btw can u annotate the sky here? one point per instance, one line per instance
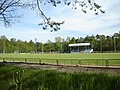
(77, 24)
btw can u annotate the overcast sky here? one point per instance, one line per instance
(77, 24)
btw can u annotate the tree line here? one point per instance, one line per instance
(99, 43)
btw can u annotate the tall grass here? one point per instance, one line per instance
(53, 80)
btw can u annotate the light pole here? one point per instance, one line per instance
(35, 45)
(100, 44)
(115, 43)
(42, 47)
(63, 45)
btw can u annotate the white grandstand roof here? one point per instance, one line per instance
(79, 44)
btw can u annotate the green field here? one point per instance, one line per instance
(78, 58)
(64, 56)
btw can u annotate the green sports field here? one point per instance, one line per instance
(70, 56)
(76, 58)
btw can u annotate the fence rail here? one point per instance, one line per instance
(78, 62)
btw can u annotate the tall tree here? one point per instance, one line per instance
(58, 41)
(72, 41)
(3, 43)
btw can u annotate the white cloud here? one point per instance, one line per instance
(90, 23)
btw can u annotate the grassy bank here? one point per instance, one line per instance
(15, 78)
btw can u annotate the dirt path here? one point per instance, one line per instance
(68, 69)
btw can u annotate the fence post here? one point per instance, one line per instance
(25, 60)
(71, 62)
(40, 61)
(79, 61)
(57, 62)
(3, 59)
(97, 62)
(64, 61)
(13, 59)
(106, 62)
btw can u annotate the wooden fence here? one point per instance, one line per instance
(71, 62)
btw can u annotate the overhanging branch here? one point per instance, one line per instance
(47, 22)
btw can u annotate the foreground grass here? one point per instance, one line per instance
(15, 78)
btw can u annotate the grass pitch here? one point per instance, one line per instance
(65, 56)
(76, 58)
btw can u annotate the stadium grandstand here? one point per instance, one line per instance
(80, 47)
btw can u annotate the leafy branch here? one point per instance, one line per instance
(84, 4)
(8, 10)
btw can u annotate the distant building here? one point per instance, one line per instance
(80, 47)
